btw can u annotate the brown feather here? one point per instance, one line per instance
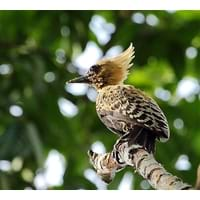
(125, 109)
(117, 68)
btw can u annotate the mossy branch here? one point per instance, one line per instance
(142, 162)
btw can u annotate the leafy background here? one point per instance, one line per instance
(47, 127)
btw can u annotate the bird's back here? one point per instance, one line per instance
(123, 109)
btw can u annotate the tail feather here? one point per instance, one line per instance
(144, 138)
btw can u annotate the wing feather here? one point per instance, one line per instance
(127, 107)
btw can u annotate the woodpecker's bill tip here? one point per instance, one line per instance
(81, 79)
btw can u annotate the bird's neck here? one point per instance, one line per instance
(99, 90)
(109, 87)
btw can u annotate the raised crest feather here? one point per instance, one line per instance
(120, 63)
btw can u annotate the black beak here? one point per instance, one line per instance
(81, 79)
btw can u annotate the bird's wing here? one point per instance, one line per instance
(127, 107)
(145, 112)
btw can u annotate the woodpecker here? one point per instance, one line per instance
(124, 109)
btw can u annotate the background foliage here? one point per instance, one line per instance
(38, 51)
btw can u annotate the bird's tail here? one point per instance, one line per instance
(142, 137)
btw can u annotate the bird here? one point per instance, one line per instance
(124, 109)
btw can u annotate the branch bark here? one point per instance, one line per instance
(143, 162)
(198, 179)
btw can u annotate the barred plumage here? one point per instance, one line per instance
(125, 110)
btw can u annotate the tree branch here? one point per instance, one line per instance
(198, 179)
(143, 162)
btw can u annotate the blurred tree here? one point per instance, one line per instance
(40, 117)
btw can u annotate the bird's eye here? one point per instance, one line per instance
(95, 68)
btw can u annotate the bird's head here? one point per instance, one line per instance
(109, 71)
